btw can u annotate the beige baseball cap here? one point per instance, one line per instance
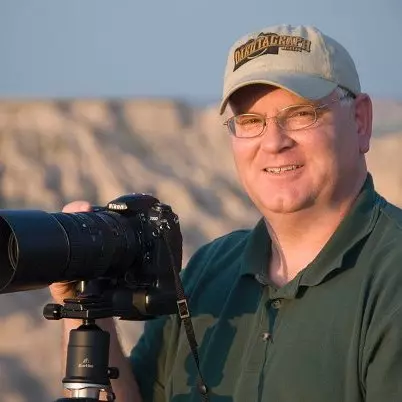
(300, 59)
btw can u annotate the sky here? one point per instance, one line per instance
(176, 48)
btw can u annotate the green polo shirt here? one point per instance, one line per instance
(332, 334)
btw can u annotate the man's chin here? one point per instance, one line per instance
(286, 206)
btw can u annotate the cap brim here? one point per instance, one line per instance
(306, 86)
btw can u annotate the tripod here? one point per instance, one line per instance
(87, 366)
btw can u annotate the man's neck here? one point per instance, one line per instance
(298, 238)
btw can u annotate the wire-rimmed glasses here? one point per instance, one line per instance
(290, 118)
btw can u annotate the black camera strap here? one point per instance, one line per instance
(185, 317)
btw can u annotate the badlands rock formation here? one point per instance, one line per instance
(52, 152)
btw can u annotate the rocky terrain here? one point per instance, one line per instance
(53, 152)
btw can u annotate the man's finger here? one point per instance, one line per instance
(77, 206)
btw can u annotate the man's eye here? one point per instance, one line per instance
(249, 121)
(301, 114)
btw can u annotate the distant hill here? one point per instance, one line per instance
(387, 117)
(52, 152)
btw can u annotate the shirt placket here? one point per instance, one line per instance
(248, 388)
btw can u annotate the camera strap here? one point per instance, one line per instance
(185, 317)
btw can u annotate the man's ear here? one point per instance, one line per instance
(364, 121)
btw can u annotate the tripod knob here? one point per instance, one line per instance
(52, 311)
(113, 373)
(77, 400)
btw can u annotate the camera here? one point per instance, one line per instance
(125, 259)
(128, 252)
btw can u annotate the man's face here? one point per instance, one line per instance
(288, 171)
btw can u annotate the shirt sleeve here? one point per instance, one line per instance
(383, 380)
(146, 357)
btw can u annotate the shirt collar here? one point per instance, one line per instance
(356, 225)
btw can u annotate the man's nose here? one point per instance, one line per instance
(275, 139)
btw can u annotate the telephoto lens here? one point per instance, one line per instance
(39, 248)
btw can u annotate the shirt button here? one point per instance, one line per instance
(276, 304)
(266, 336)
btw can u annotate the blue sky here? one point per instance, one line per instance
(177, 48)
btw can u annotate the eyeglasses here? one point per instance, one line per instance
(291, 118)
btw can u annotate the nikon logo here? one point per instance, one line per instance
(117, 207)
(86, 363)
(269, 43)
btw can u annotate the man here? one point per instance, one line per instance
(308, 305)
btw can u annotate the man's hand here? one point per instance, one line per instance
(64, 290)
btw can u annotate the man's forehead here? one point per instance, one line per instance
(246, 97)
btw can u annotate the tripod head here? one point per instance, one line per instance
(87, 367)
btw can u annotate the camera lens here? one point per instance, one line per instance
(13, 251)
(39, 248)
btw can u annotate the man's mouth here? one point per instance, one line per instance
(282, 169)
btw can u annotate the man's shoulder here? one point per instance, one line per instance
(232, 241)
(223, 248)
(218, 257)
(385, 241)
(381, 264)
(384, 247)
(390, 220)
(392, 214)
